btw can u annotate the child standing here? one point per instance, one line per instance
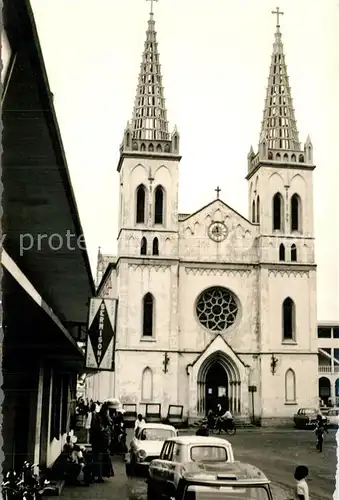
(300, 475)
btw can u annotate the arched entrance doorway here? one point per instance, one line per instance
(218, 380)
(216, 387)
(324, 389)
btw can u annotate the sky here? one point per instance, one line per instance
(215, 59)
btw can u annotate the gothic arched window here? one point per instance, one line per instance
(141, 204)
(148, 312)
(258, 209)
(253, 211)
(159, 205)
(293, 253)
(147, 385)
(282, 251)
(143, 246)
(155, 246)
(277, 211)
(295, 213)
(288, 319)
(290, 386)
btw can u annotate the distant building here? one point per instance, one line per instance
(328, 348)
(46, 282)
(213, 303)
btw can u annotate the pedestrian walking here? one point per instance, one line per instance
(300, 475)
(101, 436)
(88, 423)
(320, 429)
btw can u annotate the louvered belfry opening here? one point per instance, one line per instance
(279, 127)
(149, 120)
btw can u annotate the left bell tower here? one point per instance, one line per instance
(148, 165)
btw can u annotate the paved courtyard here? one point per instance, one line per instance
(276, 452)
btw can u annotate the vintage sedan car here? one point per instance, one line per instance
(179, 455)
(332, 416)
(146, 446)
(306, 418)
(228, 481)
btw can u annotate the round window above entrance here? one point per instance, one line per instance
(217, 309)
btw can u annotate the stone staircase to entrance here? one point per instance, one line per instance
(243, 423)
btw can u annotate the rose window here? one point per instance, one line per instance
(217, 309)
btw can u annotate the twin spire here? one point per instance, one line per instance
(279, 126)
(149, 120)
(279, 135)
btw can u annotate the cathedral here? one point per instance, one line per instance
(213, 306)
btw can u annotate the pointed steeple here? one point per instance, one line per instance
(149, 115)
(279, 137)
(148, 130)
(279, 126)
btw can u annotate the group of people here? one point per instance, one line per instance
(106, 435)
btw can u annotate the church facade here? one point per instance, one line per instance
(214, 306)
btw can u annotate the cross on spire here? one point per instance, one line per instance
(217, 191)
(278, 14)
(151, 5)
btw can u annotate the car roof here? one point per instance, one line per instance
(239, 472)
(156, 426)
(196, 440)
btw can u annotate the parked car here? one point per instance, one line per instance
(200, 481)
(180, 455)
(146, 446)
(333, 417)
(306, 418)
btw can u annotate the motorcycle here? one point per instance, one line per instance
(28, 485)
(216, 425)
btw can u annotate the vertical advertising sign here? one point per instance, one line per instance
(100, 347)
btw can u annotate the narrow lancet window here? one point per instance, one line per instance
(148, 303)
(159, 205)
(155, 246)
(277, 211)
(141, 204)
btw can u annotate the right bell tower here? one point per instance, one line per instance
(280, 175)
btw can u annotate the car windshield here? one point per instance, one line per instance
(310, 411)
(156, 434)
(225, 493)
(208, 454)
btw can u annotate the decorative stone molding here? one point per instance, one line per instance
(151, 266)
(284, 272)
(217, 272)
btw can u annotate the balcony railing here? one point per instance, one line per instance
(328, 369)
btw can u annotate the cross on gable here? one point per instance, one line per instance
(278, 14)
(217, 191)
(151, 4)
